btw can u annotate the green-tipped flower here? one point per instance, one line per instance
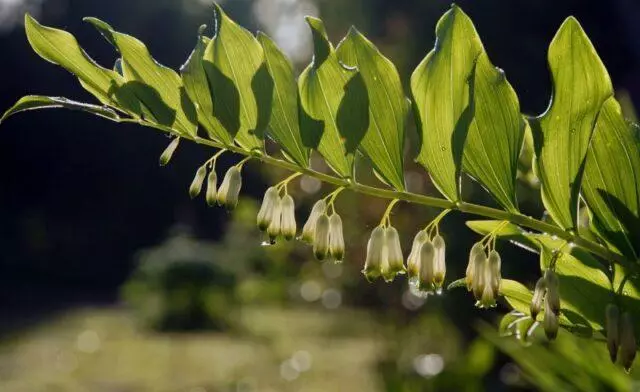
(476, 257)
(427, 263)
(376, 254)
(336, 238)
(552, 300)
(413, 261)
(269, 202)
(308, 230)
(275, 221)
(321, 237)
(196, 185)
(550, 323)
(230, 188)
(627, 341)
(538, 297)
(168, 152)
(479, 275)
(495, 266)
(212, 184)
(395, 259)
(439, 267)
(612, 324)
(288, 229)
(488, 287)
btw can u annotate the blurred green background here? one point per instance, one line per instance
(112, 279)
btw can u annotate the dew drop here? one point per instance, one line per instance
(267, 243)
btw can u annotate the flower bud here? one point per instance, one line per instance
(550, 323)
(612, 318)
(376, 254)
(168, 152)
(627, 341)
(308, 230)
(336, 238)
(275, 221)
(476, 256)
(288, 229)
(212, 183)
(269, 202)
(321, 237)
(198, 180)
(538, 297)
(552, 299)
(395, 258)
(439, 268)
(413, 261)
(426, 263)
(230, 188)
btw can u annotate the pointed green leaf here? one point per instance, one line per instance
(196, 85)
(611, 184)
(159, 89)
(495, 137)
(440, 89)
(284, 125)
(322, 87)
(516, 294)
(383, 139)
(33, 102)
(240, 83)
(61, 48)
(581, 84)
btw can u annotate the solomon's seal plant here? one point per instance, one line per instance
(236, 89)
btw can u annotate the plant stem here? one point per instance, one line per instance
(468, 208)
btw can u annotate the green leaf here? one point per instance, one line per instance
(322, 87)
(516, 294)
(239, 80)
(441, 94)
(196, 85)
(33, 102)
(284, 126)
(61, 48)
(611, 184)
(581, 84)
(380, 88)
(495, 137)
(159, 89)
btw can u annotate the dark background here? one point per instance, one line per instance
(79, 195)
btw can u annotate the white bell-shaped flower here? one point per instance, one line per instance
(550, 323)
(476, 256)
(308, 230)
(439, 267)
(395, 258)
(376, 254)
(321, 237)
(198, 180)
(413, 261)
(275, 222)
(427, 264)
(612, 324)
(336, 238)
(538, 297)
(265, 214)
(230, 188)
(288, 228)
(212, 192)
(627, 341)
(552, 299)
(168, 152)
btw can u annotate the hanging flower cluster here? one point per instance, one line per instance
(483, 276)
(620, 336)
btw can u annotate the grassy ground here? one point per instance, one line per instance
(101, 349)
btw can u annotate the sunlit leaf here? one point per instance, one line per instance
(581, 84)
(33, 102)
(441, 93)
(495, 137)
(381, 138)
(61, 48)
(196, 85)
(158, 88)
(284, 125)
(611, 184)
(240, 83)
